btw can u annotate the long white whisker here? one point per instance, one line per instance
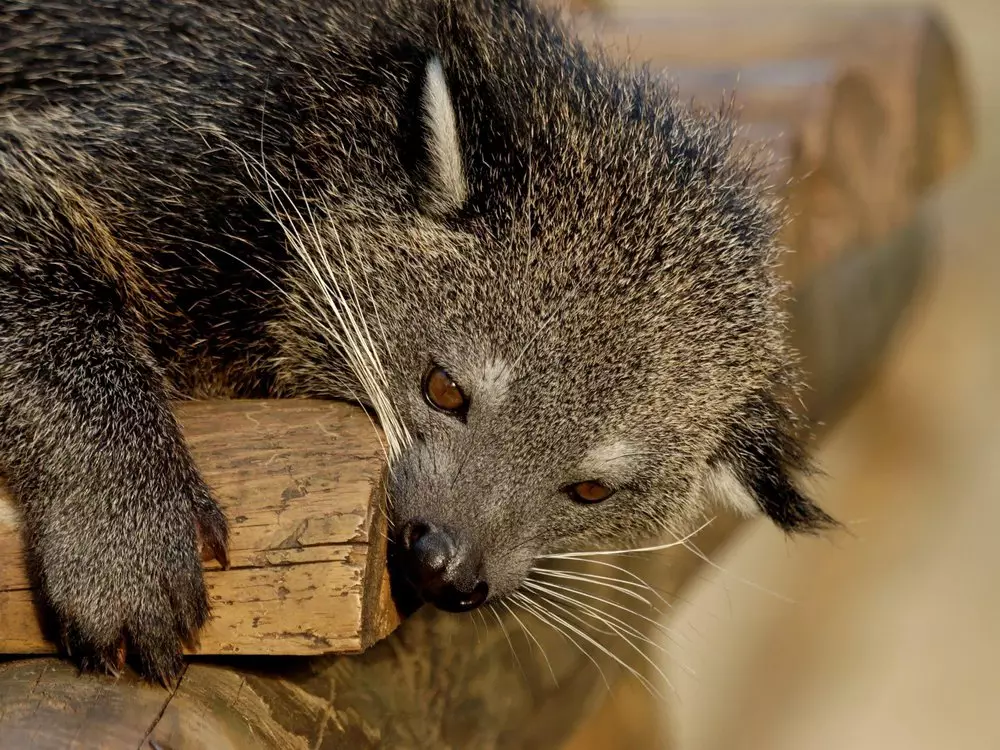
(506, 635)
(357, 345)
(607, 652)
(612, 620)
(547, 586)
(656, 548)
(596, 581)
(472, 616)
(364, 335)
(482, 619)
(624, 631)
(297, 243)
(342, 332)
(704, 558)
(639, 580)
(531, 635)
(545, 616)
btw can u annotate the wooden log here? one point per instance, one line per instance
(898, 119)
(905, 53)
(300, 482)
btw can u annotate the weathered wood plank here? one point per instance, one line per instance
(300, 483)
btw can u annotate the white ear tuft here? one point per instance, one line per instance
(446, 188)
(723, 487)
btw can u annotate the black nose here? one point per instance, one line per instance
(433, 567)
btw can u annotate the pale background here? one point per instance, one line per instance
(892, 638)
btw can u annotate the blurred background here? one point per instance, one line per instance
(886, 638)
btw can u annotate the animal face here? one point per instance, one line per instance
(576, 365)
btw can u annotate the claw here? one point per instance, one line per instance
(120, 653)
(168, 680)
(212, 544)
(212, 550)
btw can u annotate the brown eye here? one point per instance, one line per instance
(443, 393)
(590, 492)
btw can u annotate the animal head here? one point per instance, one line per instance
(574, 337)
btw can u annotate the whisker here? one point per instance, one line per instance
(506, 635)
(606, 651)
(472, 616)
(531, 635)
(364, 336)
(596, 581)
(604, 628)
(656, 548)
(639, 580)
(704, 558)
(617, 624)
(342, 334)
(684, 540)
(624, 633)
(544, 615)
(546, 586)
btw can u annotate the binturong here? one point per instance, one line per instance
(552, 284)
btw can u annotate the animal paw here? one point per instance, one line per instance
(132, 584)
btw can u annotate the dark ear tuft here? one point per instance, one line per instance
(762, 452)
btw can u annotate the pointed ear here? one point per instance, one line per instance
(754, 470)
(445, 188)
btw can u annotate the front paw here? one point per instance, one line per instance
(132, 583)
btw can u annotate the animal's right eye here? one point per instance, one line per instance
(589, 492)
(443, 393)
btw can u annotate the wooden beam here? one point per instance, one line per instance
(868, 105)
(300, 482)
(905, 52)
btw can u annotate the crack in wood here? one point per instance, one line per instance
(163, 710)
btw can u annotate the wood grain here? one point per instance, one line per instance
(300, 484)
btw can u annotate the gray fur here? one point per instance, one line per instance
(258, 197)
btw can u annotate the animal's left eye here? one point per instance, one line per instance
(589, 492)
(443, 393)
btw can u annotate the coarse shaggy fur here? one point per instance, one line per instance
(326, 198)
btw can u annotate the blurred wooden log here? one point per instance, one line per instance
(299, 482)
(451, 681)
(824, 126)
(905, 53)
(889, 82)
